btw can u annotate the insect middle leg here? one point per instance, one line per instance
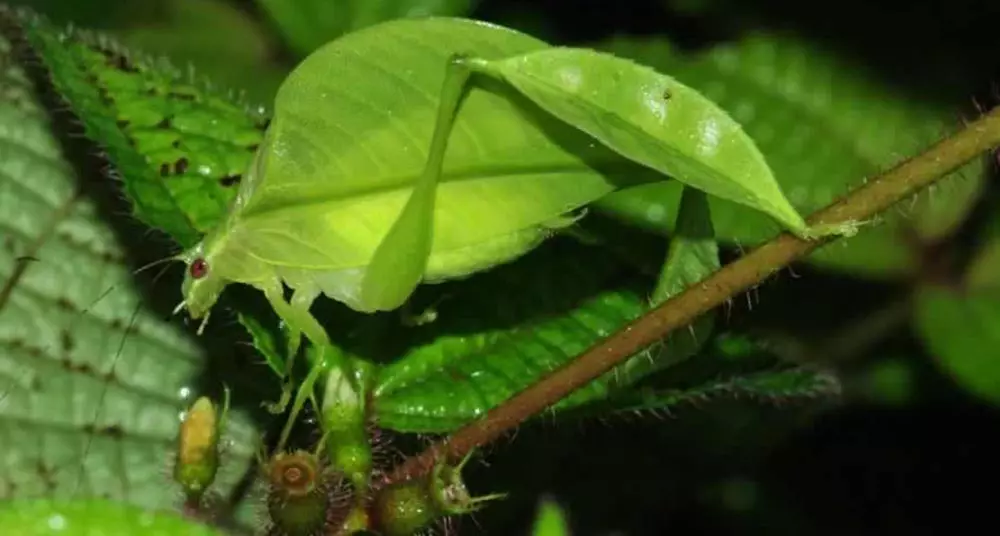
(298, 321)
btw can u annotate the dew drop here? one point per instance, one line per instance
(57, 522)
(656, 213)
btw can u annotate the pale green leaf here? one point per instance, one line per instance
(92, 380)
(91, 517)
(550, 520)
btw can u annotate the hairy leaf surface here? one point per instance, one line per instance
(500, 331)
(179, 147)
(91, 380)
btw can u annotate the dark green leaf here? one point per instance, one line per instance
(179, 147)
(498, 332)
(307, 24)
(962, 332)
(730, 366)
(219, 38)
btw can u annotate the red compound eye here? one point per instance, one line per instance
(198, 268)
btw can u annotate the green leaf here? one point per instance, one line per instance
(653, 119)
(550, 520)
(41, 517)
(778, 385)
(91, 379)
(178, 146)
(962, 332)
(824, 124)
(307, 24)
(693, 253)
(730, 367)
(983, 272)
(264, 340)
(218, 38)
(500, 331)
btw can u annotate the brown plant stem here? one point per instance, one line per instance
(861, 205)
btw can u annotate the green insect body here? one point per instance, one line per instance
(417, 176)
(357, 199)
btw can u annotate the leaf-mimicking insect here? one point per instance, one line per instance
(421, 150)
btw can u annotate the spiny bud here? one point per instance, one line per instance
(304, 499)
(198, 449)
(344, 421)
(403, 508)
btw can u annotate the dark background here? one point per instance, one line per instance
(926, 466)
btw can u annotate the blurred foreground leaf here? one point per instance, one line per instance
(102, 517)
(91, 381)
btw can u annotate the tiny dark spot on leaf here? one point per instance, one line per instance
(231, 180)
(122, 123)
(80, 368)
(114, 431)
(176, 144)
(105, 95)
(116, 323)
(180, 166)
(667, 95)
(164, 169)
(64, 303)
(118, 60)
(165, 123)
(66, 340)
(182, 96)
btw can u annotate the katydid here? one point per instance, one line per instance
(424, 177)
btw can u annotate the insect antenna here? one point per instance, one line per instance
(157, 262)
(114, 363)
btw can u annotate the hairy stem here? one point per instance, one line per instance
(864, 203)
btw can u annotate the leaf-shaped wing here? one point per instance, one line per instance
(653, 119)
(351, 132)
